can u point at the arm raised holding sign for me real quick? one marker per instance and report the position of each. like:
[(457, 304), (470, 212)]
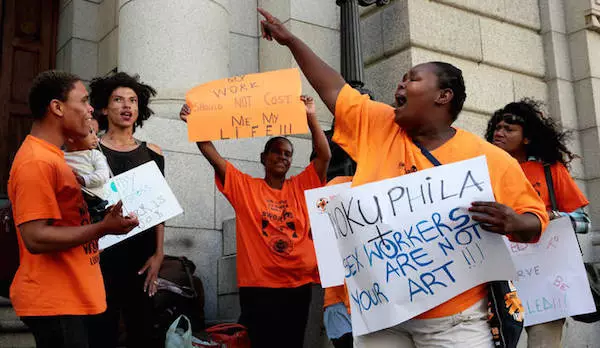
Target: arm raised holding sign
[(207, 148), (276, 257), (321, 161), (320, 144)]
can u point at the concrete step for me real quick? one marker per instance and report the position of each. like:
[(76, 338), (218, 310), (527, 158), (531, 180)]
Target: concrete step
[(13, 332), (16, 340), (9, 322)]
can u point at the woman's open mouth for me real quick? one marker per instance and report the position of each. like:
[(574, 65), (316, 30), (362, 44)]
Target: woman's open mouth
[(126, 115), (400, 101)]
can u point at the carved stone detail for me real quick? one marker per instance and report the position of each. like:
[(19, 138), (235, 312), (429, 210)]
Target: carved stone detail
[(592, 16)]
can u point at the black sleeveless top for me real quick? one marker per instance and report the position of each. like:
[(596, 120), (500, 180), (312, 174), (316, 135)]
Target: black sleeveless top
[(131, 254)]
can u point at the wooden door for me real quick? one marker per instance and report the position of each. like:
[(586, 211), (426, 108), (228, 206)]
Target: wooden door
[(28, 46)]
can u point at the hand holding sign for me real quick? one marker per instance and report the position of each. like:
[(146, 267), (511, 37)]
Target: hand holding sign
[(502, 219), (115, 223), (185, 112), (309, 103), (247, 106), (142, 190)]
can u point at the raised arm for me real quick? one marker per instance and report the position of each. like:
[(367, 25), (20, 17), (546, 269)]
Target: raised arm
[(324, 79), (208, 149), (214, 158), (320, 144)]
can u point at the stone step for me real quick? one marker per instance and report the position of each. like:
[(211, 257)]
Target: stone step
[(9, 322), (16, 340), (13, 332)]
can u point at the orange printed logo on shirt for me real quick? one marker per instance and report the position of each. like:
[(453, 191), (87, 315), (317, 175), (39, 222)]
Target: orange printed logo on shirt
[(274, 243)]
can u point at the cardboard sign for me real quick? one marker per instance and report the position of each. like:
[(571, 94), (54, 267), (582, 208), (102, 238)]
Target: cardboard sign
[(247, 106), (408, 244), (331, 269), (551, 280), (145, 192)]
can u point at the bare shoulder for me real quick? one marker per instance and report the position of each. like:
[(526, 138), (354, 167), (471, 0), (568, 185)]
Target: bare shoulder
[(155, 148)]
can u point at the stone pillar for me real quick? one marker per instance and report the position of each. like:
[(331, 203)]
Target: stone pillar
[(175, 45), (571, 36)]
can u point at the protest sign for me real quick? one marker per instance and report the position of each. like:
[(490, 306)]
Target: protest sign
[(331, 269), (145, 192), (409, 244), (247, 106), (551, 280)]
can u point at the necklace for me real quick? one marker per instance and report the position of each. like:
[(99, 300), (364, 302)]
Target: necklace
[(109, 140)]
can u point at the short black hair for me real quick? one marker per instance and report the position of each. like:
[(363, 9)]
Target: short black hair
[(547, 140), (451, 77), (103, 87), (47, 86), (269, 144)]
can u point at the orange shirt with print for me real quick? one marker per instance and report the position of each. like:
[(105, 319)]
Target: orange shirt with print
[(42, 186), (274, 244), (568, 195), (337, 294), (366, 130)]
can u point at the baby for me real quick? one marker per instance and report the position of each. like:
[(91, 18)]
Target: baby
[(88, 164)]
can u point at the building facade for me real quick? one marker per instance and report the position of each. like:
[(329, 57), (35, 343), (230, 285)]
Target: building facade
[(507, 49)]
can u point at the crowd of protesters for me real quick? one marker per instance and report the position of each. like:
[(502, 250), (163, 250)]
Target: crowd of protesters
[(71, 294)]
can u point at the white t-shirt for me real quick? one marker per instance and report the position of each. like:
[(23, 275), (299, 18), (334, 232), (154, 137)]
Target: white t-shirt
[(92, 166)]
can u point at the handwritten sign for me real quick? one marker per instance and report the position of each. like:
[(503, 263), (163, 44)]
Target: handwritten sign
[(329, 260), (247, 106), (409, 243), (145, 192), (551, 280)]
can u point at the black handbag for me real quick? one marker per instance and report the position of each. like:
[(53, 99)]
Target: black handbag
[(505, 311), (96, 205), (591, 272)]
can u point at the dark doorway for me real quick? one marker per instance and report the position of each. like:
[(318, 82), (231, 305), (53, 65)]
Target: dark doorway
[(27, 47)]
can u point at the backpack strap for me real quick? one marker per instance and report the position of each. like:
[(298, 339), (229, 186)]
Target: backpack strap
[(427, 154), (550, 185)]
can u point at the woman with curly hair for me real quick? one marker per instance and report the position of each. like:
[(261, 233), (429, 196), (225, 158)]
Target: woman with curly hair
[(536, 141), (130, 268)]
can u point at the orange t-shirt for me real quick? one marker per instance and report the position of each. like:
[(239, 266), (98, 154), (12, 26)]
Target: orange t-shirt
[(339, 293), (42, 186), (568, 195), (367, 132), (274, 244), (336, 294)]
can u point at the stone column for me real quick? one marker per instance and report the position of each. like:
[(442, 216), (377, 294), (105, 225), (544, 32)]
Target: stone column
[(175, 45), (571, 33)]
